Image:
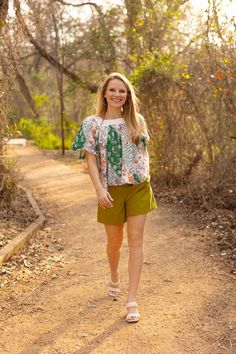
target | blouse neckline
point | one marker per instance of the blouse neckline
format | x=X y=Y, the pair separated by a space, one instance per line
x=112 y=120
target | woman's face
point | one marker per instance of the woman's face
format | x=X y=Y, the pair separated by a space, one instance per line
x=116 y=93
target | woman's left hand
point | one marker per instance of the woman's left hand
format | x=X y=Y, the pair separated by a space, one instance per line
x=104 y=198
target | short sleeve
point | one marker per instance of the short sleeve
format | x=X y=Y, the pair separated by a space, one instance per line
x=86 y=138
x=145 y=137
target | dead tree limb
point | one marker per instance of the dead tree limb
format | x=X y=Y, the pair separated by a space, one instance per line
x=53 y=61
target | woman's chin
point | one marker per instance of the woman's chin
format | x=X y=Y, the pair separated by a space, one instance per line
x=115 y=105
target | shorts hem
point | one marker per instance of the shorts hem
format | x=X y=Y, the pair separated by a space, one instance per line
x=121 y=223
x=110 y=223
x=142 y=213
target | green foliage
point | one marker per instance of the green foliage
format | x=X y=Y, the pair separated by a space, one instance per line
x=2 y=23
x=44 y=134
x=37 y=77
x=40 y=100
x=183 y=71
x=41 y=132
x=153 y=63
x=70 y=132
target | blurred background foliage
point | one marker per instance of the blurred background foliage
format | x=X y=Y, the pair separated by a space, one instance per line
x=55 y=54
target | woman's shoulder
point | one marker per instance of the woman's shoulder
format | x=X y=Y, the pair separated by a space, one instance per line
x=142 y=120
x=144 y=127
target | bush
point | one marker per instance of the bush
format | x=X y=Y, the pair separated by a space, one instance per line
x=8 y=181
x=44 y=134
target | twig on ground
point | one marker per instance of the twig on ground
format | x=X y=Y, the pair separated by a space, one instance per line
x=19 y=303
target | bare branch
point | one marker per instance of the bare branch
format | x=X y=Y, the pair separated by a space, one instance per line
x=97 y=7
x=26 y=92
x=24 y=89
x=215 y=13
x=105 y=29
x=53 y=61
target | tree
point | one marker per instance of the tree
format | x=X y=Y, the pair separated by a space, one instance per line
x=48 y=56
x=3 y=12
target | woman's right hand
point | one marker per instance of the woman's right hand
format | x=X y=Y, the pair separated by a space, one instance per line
x=104 y=198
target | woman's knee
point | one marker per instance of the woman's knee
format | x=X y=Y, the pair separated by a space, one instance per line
x=135 y=241
x=114 y=236
x=115 y=241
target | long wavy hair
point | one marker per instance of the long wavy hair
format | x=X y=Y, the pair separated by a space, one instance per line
x=135 y=122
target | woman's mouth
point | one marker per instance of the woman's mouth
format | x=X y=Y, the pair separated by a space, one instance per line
x=116 y=100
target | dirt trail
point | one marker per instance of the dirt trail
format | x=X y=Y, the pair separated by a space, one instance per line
x=186 y=295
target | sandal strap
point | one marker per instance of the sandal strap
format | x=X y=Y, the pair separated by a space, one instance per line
x=133 y=314
x=116 y=290
x=131 y=304
x=133 y=317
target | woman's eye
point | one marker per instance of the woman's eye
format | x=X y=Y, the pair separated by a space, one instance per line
x=113 y=90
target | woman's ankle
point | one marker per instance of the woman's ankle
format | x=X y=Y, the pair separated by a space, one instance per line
x=115 y=277
x=131 y=296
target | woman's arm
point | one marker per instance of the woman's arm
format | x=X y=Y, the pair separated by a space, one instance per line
x=104 y=198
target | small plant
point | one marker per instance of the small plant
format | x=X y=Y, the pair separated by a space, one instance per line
x=45 y=134
x=8 y=181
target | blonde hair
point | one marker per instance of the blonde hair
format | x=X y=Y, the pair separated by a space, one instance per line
x=135 y=122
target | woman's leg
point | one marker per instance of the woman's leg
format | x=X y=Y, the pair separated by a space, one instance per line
x=114 y=242
x=135 y=230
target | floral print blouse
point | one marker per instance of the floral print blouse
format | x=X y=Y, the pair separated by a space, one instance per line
x=120 y=161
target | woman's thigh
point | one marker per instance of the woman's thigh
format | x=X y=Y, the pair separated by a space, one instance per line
x=114 y=234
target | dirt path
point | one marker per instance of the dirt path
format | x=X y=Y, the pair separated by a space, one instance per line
x=186 y=294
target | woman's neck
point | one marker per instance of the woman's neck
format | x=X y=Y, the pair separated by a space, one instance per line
x=113 y=113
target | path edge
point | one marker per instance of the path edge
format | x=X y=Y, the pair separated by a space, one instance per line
x=19 y=241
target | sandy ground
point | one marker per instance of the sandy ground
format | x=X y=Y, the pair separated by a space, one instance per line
x=186 y=297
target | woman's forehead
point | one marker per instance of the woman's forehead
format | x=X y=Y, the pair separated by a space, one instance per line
x=116 y=83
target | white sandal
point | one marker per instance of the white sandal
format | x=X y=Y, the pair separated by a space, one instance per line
x=132 y=316
x=113 y=289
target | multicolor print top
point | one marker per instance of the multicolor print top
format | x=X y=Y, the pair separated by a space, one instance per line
x=120 y=161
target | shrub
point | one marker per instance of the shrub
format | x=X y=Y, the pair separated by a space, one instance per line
x=44 y=134
x=8 y=181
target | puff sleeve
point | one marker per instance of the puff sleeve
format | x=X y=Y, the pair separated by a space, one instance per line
x=145 y=137
x=86 y=138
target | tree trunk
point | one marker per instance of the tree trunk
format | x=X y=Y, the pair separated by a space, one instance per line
x=59 y=76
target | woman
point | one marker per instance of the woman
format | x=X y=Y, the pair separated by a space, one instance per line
x=114 y=143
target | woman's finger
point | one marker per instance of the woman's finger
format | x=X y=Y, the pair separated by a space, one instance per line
x=105 y=205
x=109 y=200
x=108 y=203
x=105 y=201
x=101 y=204
x=110 y=197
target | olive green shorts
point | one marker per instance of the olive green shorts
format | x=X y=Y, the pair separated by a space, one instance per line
x=128 y=200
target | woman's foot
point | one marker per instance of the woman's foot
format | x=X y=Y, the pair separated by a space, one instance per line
x=113 y=288
x=133 y=315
